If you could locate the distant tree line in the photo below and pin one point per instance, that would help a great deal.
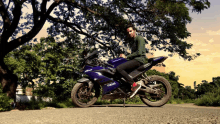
(184, 93)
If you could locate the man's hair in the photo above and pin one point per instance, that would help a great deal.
(128, 26)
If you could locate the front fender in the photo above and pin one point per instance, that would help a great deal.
(86, 80)
(90, 83)
(83, 80)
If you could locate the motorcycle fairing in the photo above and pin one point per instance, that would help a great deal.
(107, 83)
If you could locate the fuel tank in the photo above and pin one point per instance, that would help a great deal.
(117, 61)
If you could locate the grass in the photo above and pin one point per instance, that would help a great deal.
(180, 101)
(37, 105)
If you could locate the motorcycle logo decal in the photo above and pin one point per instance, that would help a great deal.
(146, 65)
(88, 70)
(116, 60)
(111, 84)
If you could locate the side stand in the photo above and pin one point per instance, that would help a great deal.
(124, 101)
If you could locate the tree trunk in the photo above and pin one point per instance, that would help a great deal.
(8, 80)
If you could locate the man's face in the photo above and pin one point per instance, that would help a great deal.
(131, 33)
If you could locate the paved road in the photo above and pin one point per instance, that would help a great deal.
(116, 114)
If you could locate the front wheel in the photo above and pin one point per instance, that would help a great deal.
(81, 97)
(164, 92)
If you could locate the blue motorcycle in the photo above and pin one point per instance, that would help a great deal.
(102, 76)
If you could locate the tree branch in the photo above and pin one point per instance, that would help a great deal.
(35, 11)
(5, 16)
(70, 25)
(17, 14)
(62, 21)
(8, 5)
(73, 3)
(43, 7)
(32, 33)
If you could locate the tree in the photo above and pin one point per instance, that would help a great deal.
(189, 93)
(49, 62)
(205, 87)
(194, 85)
(216, 82)
(60, 67)
(161, 21)
(25, 63)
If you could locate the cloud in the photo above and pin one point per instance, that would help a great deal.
(202, 28)
(216, 59)
(200, 43)
(213, 32)
(211, 40)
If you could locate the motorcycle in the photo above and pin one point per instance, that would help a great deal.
(155, 90)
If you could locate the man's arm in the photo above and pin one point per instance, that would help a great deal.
(122, 55)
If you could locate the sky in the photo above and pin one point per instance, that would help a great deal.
(205, 36)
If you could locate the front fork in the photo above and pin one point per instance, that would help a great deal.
(90, 87)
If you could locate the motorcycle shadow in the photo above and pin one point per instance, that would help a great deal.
(120, 105)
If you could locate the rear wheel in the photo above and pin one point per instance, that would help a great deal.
(164, 92)
(81, 97)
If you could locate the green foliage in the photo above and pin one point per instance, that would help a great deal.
(209, 98)
(4, 101)
(189, 101)
(179, 101)
(55, 66)
(206, 86)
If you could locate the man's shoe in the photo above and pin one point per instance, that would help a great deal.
(135, 89)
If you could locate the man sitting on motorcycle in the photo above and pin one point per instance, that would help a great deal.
(136, 58)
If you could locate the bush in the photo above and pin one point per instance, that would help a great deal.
(189, 101)
(175, 101)
(4, 101)
(209, 99)
(179, 101)
(57, 91)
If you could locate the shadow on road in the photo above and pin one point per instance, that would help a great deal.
(120, 105)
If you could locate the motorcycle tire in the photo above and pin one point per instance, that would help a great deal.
(164, 99)
(79, 91)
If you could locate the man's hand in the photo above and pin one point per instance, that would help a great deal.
(122, 56)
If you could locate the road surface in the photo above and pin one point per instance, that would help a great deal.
(116, 114)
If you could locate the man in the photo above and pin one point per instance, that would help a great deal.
(136, 58)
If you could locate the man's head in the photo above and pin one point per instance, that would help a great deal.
(131, 31)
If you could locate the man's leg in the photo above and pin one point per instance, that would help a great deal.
(132, 64)
(129, 65)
